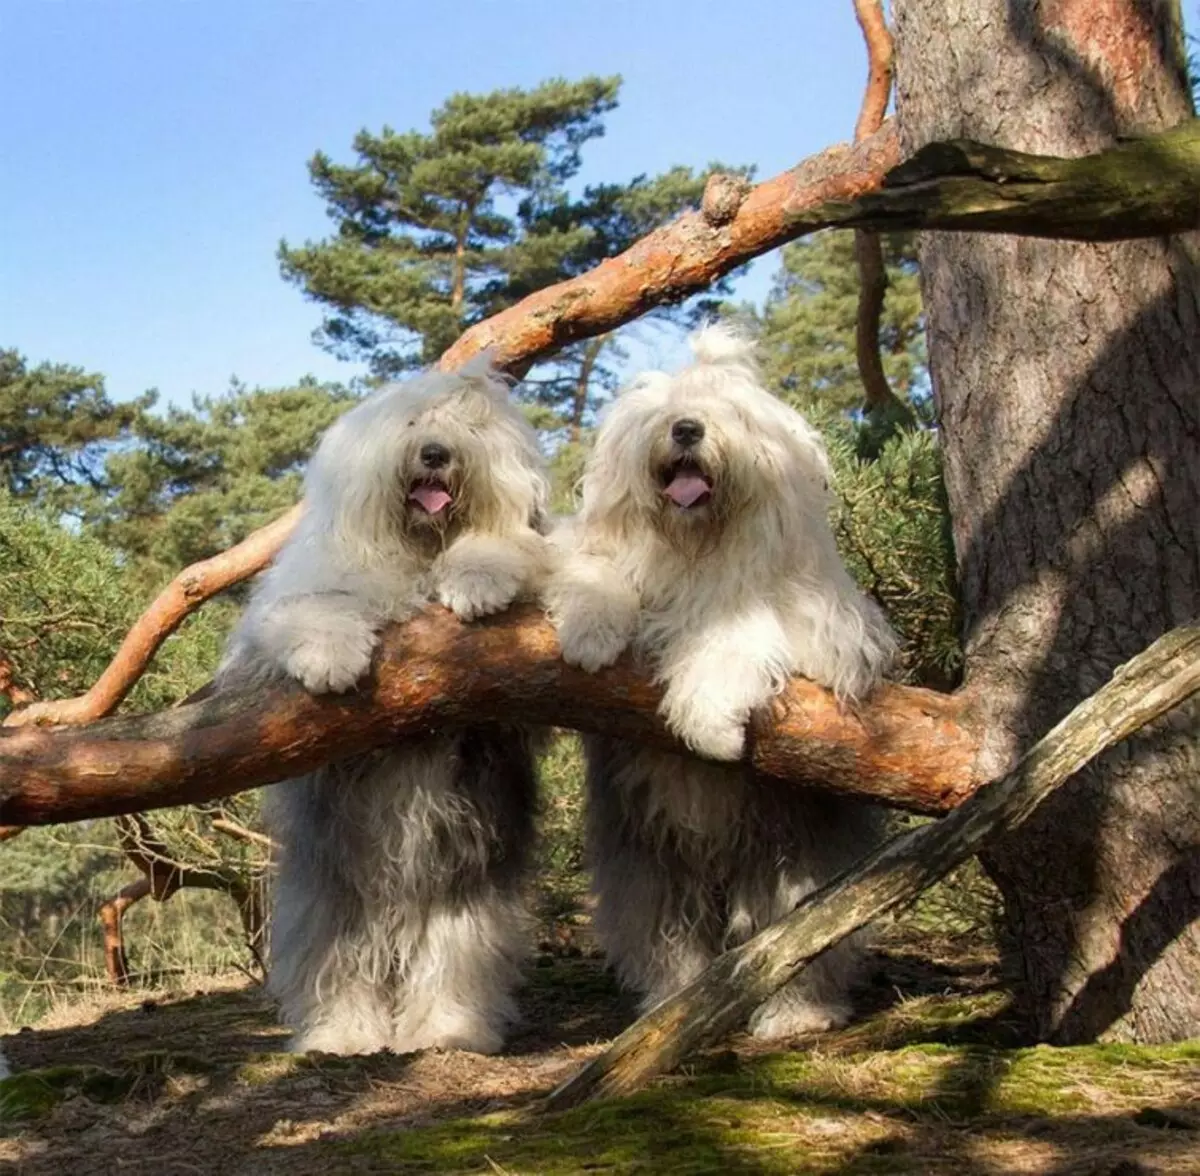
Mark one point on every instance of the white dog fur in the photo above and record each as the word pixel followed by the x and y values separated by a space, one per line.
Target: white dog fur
pixel 398 919
pixel 703 542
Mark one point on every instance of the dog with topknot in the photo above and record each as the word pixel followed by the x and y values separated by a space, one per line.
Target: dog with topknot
pixel 398 918
pixel 703 543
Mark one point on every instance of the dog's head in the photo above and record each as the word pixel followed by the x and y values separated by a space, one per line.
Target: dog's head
pixel 692 453
pixel 421 461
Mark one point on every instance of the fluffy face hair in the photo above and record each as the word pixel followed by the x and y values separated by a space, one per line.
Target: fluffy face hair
pixel 704 519
pixel 682 458
pixel 418 462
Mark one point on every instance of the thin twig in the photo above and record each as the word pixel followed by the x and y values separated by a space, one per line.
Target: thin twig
pixel 868 248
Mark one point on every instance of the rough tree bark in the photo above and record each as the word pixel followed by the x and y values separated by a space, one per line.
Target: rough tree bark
pixel 1068 386
pixel 904 746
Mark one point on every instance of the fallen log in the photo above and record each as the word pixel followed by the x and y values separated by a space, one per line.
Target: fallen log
pixel 909 748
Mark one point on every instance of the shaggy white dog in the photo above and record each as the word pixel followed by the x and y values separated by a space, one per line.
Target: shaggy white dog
pixel 398 919
pixel 703 541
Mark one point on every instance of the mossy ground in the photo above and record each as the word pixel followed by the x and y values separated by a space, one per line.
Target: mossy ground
pixel 929 1079
pixel 926 1082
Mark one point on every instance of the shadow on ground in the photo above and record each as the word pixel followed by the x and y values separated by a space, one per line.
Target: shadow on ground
pixel 926 1081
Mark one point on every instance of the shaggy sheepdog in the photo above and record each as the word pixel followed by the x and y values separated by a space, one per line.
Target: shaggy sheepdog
pixel 398 918
pixel 703 542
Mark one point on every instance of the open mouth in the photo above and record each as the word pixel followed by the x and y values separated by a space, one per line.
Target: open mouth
pixel 686 484
pixel 430 495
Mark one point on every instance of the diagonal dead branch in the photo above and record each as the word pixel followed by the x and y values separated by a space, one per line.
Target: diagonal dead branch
pixel 724 996
pixel 907 747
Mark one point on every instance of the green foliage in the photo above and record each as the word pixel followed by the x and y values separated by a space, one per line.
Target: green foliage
pixel 195 481
pixel 66 602
pixel 612 217
pixel 893 529
pixel 436 231
pixel 807 325
pixel 55 425
pixel 891 517
pixel 423 246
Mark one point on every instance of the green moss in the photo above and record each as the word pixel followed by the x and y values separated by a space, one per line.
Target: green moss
pixel 264 1069
pixel 33 1094
pixel 799 1112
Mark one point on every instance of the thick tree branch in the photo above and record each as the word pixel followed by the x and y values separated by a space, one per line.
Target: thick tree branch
pixel 724 996
pixel 906 747
pixel 735 224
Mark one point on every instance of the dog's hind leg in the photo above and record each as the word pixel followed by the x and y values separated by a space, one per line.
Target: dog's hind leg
pixel 456 987
pixel 457 992
pixel 657 913
pixel 655 922
pixel 828 836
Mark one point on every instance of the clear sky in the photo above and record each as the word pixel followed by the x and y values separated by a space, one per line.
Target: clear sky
pixel 154 152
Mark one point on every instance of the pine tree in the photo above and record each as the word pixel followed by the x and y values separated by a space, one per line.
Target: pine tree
pixel 56 426
pixel 807 326
pixel 612 218
pixel 428 224
pixel 195 481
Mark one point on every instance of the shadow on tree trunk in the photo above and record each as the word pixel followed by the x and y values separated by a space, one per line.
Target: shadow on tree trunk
pixel 1096 892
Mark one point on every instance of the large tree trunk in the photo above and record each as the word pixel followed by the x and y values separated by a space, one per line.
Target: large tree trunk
pixel 1068 385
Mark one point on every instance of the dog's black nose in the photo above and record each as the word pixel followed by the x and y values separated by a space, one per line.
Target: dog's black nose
pixel 434 455
pixel 687 431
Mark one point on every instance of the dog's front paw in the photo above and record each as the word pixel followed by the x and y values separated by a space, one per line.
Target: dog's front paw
pixel 333 658
pixel 477 592
pixel 590 642
pixel 717 739
pixel 710 730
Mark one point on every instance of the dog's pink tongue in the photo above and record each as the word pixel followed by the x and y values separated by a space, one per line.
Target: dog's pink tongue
pixel 430 498
pixel 687 489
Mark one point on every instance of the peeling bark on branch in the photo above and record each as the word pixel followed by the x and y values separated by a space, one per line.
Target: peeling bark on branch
pixel 728 991
pixel 910 748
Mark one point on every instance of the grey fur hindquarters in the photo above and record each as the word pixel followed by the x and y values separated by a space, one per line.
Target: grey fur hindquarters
pixel 401 925
pixel 690 858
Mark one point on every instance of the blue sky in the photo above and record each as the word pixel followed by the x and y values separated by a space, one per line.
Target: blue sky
pixel 154 153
